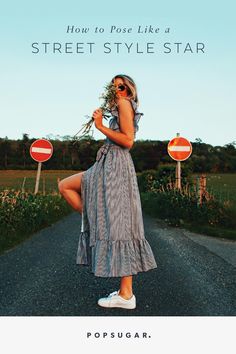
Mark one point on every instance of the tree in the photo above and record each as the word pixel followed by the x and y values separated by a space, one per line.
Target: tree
pixel 6 149
pixel 24 146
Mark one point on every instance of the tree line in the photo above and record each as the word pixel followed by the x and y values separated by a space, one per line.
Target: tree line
pixel 146 154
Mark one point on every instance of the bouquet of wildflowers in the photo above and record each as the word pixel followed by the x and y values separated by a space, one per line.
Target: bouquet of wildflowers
pixel 108 97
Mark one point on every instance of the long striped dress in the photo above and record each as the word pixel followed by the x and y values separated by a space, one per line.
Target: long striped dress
pixel 112 240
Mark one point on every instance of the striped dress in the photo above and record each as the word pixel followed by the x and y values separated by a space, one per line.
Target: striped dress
pixel 112 240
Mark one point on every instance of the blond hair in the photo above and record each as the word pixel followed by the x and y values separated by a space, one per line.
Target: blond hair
pixel 132 88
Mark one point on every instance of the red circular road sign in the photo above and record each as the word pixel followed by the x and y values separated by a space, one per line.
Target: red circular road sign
pixel 41 150
pixel 179 149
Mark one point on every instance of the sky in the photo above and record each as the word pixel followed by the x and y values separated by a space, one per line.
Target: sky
pixel 51 93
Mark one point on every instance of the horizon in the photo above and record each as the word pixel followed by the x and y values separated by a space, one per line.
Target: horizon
pixel 54 138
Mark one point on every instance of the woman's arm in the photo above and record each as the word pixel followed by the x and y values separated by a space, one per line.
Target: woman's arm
pixel 126 116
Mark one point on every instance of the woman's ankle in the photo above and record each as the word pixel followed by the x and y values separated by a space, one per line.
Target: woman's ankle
pixel 125 294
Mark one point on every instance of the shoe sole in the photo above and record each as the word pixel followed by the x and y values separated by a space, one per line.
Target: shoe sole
pixel 119 306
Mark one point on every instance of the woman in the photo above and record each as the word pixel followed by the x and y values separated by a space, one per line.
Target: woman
pixel 112 237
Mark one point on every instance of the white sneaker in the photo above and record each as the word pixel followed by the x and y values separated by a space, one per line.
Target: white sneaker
pixel 115 300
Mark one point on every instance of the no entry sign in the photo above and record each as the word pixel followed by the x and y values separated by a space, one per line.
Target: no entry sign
pixel 179 149
pixel 41 150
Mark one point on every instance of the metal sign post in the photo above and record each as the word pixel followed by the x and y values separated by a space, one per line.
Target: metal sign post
pixel 38 178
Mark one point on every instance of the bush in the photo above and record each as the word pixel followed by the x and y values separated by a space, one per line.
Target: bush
pixel 151 180
pixel 177 208
pixel 22 213
pixel 161 199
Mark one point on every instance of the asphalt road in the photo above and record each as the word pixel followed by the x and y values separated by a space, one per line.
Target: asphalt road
pixel 195 276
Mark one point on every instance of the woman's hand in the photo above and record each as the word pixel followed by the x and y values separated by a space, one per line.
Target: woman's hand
pixel 97 117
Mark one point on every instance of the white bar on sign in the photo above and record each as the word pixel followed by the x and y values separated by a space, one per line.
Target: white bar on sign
pixel 179 148
pixel 41 150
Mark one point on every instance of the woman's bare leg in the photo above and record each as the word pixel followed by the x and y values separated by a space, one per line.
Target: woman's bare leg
pixel 70 189
pixel 126 290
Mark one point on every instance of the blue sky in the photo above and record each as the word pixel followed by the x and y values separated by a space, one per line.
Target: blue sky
pixel 189 93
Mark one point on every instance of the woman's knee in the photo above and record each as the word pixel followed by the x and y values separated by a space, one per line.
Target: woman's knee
pixel 61 186
pixel 73 183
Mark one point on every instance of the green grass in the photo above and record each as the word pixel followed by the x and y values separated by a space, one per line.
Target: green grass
pixel 13 179
pixel 39 211
pixel 180 213
pixel 223 186
pixel 13 229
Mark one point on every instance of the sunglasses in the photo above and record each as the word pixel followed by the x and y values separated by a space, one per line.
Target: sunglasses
pixel 121 87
